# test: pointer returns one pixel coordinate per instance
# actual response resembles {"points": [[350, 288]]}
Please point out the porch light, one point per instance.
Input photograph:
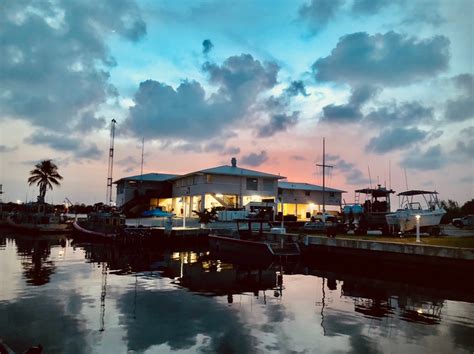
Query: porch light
{"points": [[417, 216]]}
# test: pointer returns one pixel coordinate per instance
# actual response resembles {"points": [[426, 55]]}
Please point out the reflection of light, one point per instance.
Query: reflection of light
{"points": [[61, 254], [420, 311]]}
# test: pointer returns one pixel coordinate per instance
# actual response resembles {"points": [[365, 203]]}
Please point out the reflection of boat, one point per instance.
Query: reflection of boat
{"points": [[251, 244], [36, 217], [405, 218], [369, 214], [101, 224]]}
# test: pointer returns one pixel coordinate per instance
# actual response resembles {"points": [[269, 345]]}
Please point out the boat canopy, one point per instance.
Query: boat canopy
{"points": [[376, 192], [416, 192]]}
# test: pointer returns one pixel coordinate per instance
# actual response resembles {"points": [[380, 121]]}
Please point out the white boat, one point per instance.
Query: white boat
{"points": [[413, 204]]}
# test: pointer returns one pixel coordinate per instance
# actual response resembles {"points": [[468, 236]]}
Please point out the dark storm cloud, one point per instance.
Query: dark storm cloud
{"points": [[465, 145], [318, 13], [254, 159], [64, 143], [90, 122], [5, 149], [207, 46], [389, 59], [350, 112], [186, 113], [395, 139], [296, 88], [217, 146], [55, 58], [278, 123], [403, 114], [210, 147], [431, 159], [462, 108], [352, 174]]}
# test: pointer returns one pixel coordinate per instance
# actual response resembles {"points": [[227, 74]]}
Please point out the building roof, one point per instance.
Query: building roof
{"points": [[148, 177], [232, 171], [306, 187]]}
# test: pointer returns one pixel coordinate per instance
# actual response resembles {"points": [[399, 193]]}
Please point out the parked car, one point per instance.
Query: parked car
{"points": [[466, 221]]}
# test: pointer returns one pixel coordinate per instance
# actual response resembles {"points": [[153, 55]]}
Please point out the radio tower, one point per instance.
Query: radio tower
{"points": [[108, 197]]}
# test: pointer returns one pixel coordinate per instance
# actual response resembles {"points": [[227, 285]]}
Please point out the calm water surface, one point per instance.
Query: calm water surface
{"points": [[74, 298]]}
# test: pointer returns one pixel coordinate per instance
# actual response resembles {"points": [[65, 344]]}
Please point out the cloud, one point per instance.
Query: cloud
{"points": [[6, 149], [278, 123], [395, 139], [254, 159], [295, 88], [431, 159], [186, 113], [461, 108], [90, 122], [55, 60], [389, 59], [207, 46], [352, 174], [66, 144], [401, 115], [209, 147], [129, 164], [298, 158], [369, 7], [318, 13], [351, 111]]}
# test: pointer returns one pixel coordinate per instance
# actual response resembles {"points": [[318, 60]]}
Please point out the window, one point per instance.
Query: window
{"points": [[307, 193], [208, 178], [268, 184], [252, 184], [332, 194]]}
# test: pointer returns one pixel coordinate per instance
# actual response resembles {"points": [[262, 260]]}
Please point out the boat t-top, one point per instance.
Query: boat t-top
{"points": [[414, 204]]}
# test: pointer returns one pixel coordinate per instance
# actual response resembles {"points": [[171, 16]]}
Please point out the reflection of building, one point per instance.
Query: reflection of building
{"points": [[226, 187]]}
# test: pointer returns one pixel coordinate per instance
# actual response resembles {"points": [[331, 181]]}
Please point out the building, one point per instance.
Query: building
{"points": [[225, 187]]}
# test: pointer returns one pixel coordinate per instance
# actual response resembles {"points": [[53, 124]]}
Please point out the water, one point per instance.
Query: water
{"points": [[73, 298]]}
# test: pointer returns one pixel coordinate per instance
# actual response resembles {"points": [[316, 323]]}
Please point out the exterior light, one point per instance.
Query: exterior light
{"points": [[18, 201], [417, 216]]}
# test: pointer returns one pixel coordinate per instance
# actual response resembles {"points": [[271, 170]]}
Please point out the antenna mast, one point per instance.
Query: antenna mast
{"points": [[324, 166], [108, 197]]}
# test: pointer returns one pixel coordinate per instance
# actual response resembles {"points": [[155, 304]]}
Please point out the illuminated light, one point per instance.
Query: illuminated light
{"points": [[312, 205], [420, 311], [18, 201], [417, 216], [218, 195]]}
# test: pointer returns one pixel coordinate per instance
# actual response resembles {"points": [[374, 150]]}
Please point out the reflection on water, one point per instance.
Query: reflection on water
{"points": [[91, 298]]}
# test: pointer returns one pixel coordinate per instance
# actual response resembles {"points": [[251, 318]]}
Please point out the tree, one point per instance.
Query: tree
{"points": [[468, 207], [206, 216], [44, 175], [452, 210]]}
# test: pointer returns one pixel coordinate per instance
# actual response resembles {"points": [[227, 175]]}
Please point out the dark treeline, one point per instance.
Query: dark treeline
{"points": [[59, 208], [453, 210]]}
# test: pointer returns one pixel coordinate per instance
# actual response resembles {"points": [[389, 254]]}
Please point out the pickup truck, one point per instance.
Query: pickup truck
{"points": [[466, 221]]}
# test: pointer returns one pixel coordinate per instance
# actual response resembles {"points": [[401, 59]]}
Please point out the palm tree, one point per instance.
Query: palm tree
{"points": [[44, 175]]}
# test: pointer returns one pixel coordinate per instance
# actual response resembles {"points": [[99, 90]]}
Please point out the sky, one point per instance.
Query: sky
{"points": [[389, 84]]}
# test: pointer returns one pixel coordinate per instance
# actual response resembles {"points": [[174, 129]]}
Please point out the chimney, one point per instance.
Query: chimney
{"points": [[233, 161]]}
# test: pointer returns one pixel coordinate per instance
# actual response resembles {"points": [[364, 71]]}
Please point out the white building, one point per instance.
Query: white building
{"points": [[227, 187]]}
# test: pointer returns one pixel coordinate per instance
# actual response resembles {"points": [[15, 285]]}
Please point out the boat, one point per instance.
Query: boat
{"points": [[246, 243], [38, 217], [370, 213], [100, 224], [414, 204]]}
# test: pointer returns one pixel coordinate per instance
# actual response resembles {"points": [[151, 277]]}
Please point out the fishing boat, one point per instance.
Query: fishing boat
{"points": [[101, 224], [417, 204], [247, 243], [38, 217], [369, 213]]}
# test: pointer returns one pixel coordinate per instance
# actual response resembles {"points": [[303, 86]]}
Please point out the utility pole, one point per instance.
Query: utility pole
{"points": [[108, 197], [324, 166]]}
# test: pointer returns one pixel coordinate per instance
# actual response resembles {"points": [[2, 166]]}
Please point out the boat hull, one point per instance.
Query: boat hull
{"points": [[41, 228], [84, 230], [405, 220]]}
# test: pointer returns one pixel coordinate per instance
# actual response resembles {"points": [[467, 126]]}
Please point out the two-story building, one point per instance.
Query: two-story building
{"points": [[226, 187]]}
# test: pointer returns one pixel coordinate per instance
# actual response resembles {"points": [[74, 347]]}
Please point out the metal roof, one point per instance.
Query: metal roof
{"points": [[232, 171], [306, 187], [148, 177]]}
